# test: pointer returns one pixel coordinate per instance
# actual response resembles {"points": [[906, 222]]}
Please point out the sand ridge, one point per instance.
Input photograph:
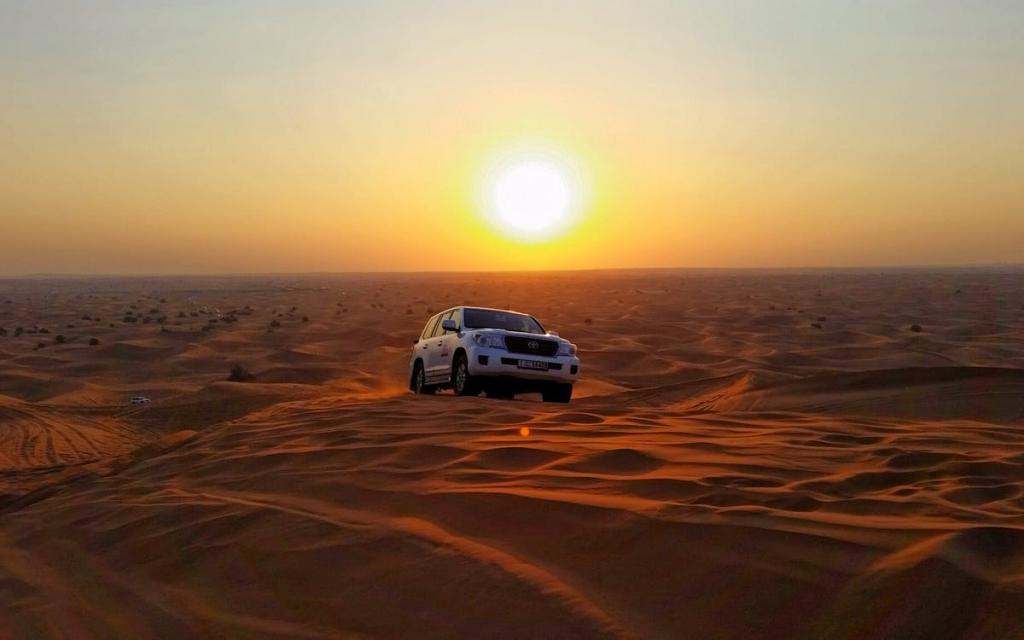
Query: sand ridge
{"points": [[729, 470]]}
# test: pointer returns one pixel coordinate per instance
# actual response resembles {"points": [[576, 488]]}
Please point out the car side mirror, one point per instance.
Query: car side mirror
{"points": [[553, 333], [449, 325]]}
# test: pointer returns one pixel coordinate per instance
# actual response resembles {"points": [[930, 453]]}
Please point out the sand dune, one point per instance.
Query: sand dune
{"points": [[729, 469]]}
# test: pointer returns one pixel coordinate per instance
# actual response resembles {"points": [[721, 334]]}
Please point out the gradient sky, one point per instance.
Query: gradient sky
{"points": [[250, 136]]}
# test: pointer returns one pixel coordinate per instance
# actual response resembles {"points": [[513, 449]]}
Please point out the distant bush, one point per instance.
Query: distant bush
{"points": [[305, 318], [93, 342], [60, 339], [3, 332], [40, 345], [44, 330], [916, 328], [275, 323], [240, 374]]}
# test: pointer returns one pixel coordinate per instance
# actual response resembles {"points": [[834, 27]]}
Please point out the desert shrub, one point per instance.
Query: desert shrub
{"points": [[93, 342], [816, 325], [275, 323], [3, 332], [916, 328], [588, 321], [822, 318], [44, 330], [305, 318], [40, 345], [240, 374], [181, 314], [60, 339]]}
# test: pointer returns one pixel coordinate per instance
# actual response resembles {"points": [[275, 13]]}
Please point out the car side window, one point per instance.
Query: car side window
{"points": [[451, 315], [437, 327], [457, 317], [439, 330], [428, 330]]}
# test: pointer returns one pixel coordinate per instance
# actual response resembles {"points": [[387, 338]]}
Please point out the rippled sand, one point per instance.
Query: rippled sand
{"points": [[749, 455]]}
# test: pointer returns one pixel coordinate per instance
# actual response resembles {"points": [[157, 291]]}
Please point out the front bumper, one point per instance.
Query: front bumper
{"points": [[488, 362]]}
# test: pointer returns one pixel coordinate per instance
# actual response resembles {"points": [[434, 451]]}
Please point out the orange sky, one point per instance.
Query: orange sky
{"points": [[243, 137]]}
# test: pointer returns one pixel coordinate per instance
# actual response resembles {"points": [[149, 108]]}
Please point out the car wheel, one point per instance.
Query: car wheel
{"points": [[558, 393], [462, 382], [419, 380]]}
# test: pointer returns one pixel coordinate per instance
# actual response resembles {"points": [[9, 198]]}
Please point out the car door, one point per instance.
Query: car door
{"points": [[440, 362], [449, 342], [423, 346]]}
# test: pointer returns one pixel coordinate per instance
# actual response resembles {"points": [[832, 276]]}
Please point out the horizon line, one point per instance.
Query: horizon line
{"points": [[207, 274]]}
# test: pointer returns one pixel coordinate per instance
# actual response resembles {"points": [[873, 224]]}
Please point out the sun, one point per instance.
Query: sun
{"points": [[532, 196]]}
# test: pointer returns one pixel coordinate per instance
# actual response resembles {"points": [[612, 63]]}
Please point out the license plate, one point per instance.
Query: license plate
{"points": [[533, 364]]}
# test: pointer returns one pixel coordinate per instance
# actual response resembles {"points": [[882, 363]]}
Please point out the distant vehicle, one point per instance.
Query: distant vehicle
{"points": [[139, 401], [474, 349]]}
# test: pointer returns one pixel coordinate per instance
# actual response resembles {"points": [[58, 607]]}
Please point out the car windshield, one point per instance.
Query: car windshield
{"points": [[508, 320]]}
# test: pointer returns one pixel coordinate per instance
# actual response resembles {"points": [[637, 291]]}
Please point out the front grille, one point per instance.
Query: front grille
{"points": [[535, 346]]}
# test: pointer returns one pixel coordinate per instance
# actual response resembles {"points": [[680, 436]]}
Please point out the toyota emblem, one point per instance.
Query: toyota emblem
{"points": [[533, 344]]}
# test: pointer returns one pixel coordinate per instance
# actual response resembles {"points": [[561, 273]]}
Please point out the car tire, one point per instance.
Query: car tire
{"points": [[558, 393], [419, 380], [463, 383]]}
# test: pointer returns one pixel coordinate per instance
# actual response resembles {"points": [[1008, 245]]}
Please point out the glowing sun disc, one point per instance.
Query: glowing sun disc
{"points": [[532, 197]]}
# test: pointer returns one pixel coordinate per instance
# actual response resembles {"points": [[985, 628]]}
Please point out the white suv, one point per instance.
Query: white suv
{"points": [[472, 349]]}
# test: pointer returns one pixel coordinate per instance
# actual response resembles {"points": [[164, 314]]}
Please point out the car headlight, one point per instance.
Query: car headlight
{"points": [[566, 349], [490, 340]]}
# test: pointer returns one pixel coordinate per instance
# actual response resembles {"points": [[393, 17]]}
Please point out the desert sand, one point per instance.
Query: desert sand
{"points": [[835, 454]]}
